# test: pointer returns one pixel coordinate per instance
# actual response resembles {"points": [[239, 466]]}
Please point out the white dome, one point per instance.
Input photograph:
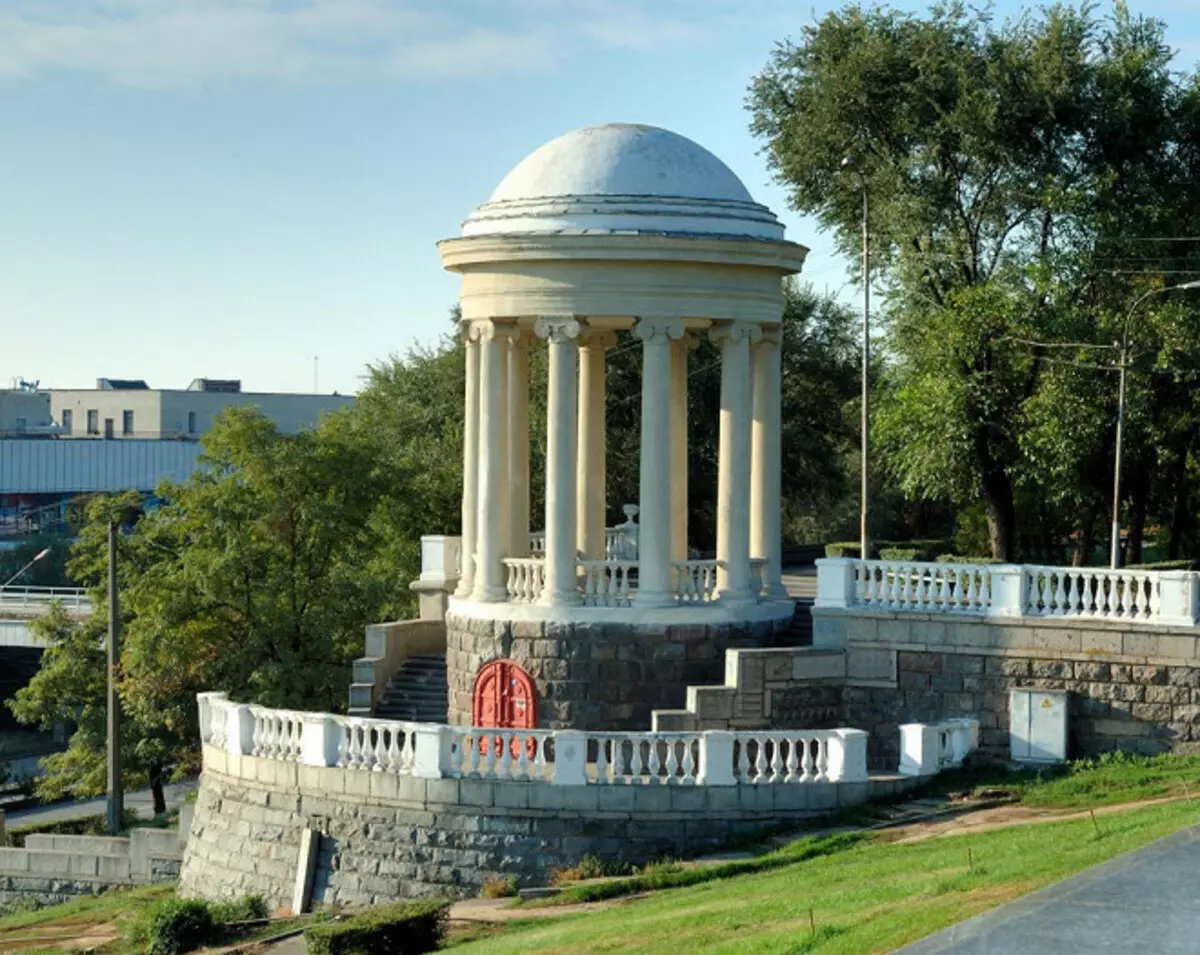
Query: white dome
{"points": [[622, 177]]}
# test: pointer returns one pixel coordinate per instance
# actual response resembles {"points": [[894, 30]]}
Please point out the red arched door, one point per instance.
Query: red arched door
{"points": [[504, 697]]}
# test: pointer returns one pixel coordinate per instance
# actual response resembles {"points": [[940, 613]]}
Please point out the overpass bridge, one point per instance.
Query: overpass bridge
{"points": [[20, 605]]}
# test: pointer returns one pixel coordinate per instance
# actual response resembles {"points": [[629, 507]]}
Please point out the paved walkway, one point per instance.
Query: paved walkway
{"points": [[1141, 903], [140, 801]]}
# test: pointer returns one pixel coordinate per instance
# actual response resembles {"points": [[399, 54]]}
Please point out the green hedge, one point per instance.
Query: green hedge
{"points": [[179, 925], [405, 928], [957, 559], [1168, 565], [924, 549]]}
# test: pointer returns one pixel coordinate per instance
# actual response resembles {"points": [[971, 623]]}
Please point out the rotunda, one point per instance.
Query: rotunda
{"points": [[613, 228]]}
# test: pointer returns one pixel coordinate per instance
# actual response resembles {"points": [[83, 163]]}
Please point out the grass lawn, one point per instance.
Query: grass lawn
{"points": [[122, 908], [1105, 781], [870, 897]]}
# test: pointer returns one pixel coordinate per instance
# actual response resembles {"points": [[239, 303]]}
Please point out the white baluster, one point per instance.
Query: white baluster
{"points": [[506, 741], [672, 760], [689, 762], [807, 762], [793, 763], [652, 746], [601, 760], [743, 763], [823, 759], [776, 760], [760, 762], [522, 756]]}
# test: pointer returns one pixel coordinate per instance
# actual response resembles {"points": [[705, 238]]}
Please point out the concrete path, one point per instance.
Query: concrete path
{"points": [[139, 801], [1140, 903]]}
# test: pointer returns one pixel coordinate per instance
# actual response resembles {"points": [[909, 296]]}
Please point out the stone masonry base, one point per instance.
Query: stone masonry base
{"points": [[596, 676]]}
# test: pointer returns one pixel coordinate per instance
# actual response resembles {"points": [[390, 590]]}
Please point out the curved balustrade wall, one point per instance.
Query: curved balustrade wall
{"points": [[407, 809]]}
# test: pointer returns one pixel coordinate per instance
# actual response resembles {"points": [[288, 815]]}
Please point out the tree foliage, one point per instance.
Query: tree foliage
{"points": [[1011, 169]]}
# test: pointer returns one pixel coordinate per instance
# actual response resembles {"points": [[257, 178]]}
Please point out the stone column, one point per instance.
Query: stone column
{"points": [[733, 466], [518, 445], [491, 526], [679, 446], [470, 496], [656, 586], [561, 332], [766, 461], [590, 503]]}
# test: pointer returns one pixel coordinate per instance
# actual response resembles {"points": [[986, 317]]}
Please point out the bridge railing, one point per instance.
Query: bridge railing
{"points": [[35, 598]]}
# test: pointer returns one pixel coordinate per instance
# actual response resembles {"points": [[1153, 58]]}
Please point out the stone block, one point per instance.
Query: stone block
{"points": [[1091, 670], [870, 664], [616, 798], [1186, 714], [1119, 728], [686, 799], [1140, 644], [441, 791], [1184, 676], [975, 635], [895, 631], [1152, 712], [1007, 666], [653, 799], [1168, 694], [1051, 669], [757, 798], [479, 793], [513, 795], [823, 797], [910, 680], [1128, 692], [1057, 639], [411, 790]]}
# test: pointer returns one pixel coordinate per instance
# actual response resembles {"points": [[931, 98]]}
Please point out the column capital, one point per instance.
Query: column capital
{"points": [[492, 329], [734, 332], [689, 341], [658, 332], [590, 337], [559, 329], [772, 334]]}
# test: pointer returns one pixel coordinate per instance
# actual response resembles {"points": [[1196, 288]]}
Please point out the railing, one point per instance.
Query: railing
{"points": [[1165, 598], [786, 756], [276, 734], [500, 754], [641, 758], [695, 580], [621, 543], [607, 583], [537, 543], [1091, 592], [563, 757], [906, 585], [73, 598], [526, 578], [378, 745], [929, 748]]}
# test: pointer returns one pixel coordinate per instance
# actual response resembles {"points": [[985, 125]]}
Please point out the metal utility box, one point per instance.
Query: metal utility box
{"points": [[1037, 729]]}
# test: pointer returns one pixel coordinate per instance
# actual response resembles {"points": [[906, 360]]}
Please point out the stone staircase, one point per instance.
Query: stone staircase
{"points": [[800, 628], [416, 692]]}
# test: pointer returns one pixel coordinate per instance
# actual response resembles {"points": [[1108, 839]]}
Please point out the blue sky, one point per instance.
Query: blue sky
{"points": [[228, 188]]}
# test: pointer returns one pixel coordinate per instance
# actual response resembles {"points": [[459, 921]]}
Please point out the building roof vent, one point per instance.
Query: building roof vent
{"points": [[121, 384], [227, 386]]}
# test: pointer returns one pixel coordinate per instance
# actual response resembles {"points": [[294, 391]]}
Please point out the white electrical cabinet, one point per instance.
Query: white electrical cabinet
{"points": [[1037, 731]]}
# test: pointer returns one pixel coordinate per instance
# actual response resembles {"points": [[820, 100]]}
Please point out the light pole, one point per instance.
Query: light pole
{"points": [[38, 556], [116, 781], [849, 163], [1114, 552]]}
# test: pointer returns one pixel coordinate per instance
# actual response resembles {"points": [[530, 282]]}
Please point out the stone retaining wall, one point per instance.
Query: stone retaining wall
{"points": [[596, 676], [56, 868], [386, 836], [1132, 687]]}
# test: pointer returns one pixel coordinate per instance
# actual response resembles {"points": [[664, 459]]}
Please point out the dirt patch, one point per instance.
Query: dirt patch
{"points": [[1000, 817], [60, 937]]}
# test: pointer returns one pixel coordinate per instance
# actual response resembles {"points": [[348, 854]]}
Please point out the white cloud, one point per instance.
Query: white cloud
{"points": [[191, 42]]}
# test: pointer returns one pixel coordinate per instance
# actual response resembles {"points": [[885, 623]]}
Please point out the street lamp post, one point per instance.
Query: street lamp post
{"points": [[38, 556], [849, 163], [1114, 552]]}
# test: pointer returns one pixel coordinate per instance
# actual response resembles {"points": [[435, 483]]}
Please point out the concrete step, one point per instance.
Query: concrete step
{"points": [[416, 692]]}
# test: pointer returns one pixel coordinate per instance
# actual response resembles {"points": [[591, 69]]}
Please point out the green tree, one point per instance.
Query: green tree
{"points": [[1006, 166]]}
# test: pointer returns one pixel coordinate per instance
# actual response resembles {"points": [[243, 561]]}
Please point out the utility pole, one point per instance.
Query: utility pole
{"points": [[864, 533], [116, 791], [1114, 550]]}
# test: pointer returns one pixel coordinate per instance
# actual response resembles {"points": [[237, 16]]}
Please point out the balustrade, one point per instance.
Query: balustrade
{"points": [[537, 543], [1091, 592], [912, 585], [607, 583], [526, 578], [784, 756], [568, 757], [640, 758], [481, 753], [276, 734], [378, 745], [695, 580]]}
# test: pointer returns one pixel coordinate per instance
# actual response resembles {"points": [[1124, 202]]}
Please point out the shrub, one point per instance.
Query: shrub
{"points": [[504, 888], [179, 925], [593, 867], [900, 553], [956, 559], [843, 549], [405, 928], [1169, 565], [249, 908]]}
